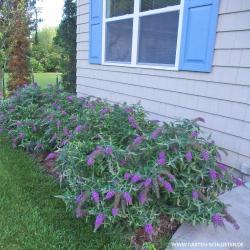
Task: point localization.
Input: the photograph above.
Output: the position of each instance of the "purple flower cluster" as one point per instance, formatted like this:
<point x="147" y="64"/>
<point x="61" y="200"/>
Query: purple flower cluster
<point x="108" y="151"/>
<point x="109" y="195"/>
<point x="138" y="140"/>
<point x="135" y="178"/>
<point x="132" y="122"/>
<point x="104" y="111"/>
<point x="80" y="197"/>
<point x="195" y="195"/>
<point x="79" y="128"/>
<point x="222" y="166"/>
<point x="148" y="229"/>
<point x="99" y="221"/>
<point x="95" y="196"/>
<point x="93" y="155"/>
<point x="66" y="132"/>
<point x="161" y="158"/>
<point x="147" y="182"/>
<point x="167" y="186"/>
<point x="194" y="134"/>
<point x="217" y="220"/>
<point x="142" y="197"/>
<point x="51" y="156"/>
<point x="127" y="197"/>
<point x="115" y="211"/>
<point x="155" y="134"/>
<point x="127" y="176"/>
<point x="238" y="181"/>
<point x="70" y="98"/>
<point x="189" y="156"/>
<point x="205" y="155"/>
<point x="213" y="174"/>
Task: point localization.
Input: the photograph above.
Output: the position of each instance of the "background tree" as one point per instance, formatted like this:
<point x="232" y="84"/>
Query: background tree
<point x="66" y="39"/>
<point x="16" y="20"/>
<point x="45" y="53"/>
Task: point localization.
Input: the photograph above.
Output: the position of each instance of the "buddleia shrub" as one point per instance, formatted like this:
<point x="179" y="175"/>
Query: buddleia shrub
<point x="118" y="167"/>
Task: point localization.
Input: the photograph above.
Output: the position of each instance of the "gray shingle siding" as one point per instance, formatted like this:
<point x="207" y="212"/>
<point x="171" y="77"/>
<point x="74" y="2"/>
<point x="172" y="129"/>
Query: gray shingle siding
<point x="222" y="97"/>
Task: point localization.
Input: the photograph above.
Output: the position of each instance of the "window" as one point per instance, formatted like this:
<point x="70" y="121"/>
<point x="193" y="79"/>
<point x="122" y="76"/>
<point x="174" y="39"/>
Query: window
<point x="141" y="33"/>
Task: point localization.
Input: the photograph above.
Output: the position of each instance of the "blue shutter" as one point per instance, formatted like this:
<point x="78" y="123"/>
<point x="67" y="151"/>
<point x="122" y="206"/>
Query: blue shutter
<point x="198" y="35"/>
<point x="95" y="31"/>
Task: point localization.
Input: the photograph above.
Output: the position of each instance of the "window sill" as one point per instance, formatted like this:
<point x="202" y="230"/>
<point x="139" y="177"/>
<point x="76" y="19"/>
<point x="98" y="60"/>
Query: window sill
<point x="142" y="66"/>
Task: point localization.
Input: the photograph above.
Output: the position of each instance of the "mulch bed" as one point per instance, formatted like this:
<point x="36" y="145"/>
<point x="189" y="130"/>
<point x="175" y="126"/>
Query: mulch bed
<point x="166" y="228"/>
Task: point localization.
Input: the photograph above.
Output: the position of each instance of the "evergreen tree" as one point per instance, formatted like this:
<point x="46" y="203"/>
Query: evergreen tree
<point x="66" y="39"/>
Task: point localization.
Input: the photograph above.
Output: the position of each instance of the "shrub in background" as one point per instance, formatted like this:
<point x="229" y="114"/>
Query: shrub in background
<point x="118" y="166"/>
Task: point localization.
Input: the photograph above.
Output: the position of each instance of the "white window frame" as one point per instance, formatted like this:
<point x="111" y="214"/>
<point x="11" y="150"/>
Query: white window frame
<point x="135" y="35"/>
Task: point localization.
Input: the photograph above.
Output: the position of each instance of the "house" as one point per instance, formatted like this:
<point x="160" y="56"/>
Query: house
<point x="179" y="58"/>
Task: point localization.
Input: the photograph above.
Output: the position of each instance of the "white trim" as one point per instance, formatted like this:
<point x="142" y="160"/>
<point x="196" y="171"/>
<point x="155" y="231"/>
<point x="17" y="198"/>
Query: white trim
<point x="158" y="11"/>
<point x="135" y="33"/>
<point x="135" y="36"/>
<point x="117" y="18"/>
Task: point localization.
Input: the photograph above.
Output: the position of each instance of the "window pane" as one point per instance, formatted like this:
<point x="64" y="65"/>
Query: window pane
<point x="158" y="38"/>
<point x="119" y="7"/>
<point x="119" y="40"/>
<point x="157" y="4"/>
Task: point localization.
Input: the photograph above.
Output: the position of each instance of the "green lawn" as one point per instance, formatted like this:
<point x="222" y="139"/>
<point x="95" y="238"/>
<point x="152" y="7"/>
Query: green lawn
<point x="31" y="218"/>
<point x="43" y="79"/>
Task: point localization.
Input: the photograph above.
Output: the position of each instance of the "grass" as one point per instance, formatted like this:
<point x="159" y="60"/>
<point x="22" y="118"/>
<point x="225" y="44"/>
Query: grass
<point x="43" y="79"/>
<point x="32" y="218"/>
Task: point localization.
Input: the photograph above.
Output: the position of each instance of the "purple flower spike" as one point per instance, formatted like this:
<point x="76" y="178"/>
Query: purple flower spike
<point x="99" y="221"/>
<point x="80" y="197"/>
<point x="21" y="136"/>
<point x="238" y="181"/>
<point x="213" y="174"/>
<point x="66" y="132"/>
<point x="64" y="112"/>
<point x="217" y="220"/>
<point x="142" y="198"/>
<point x="51" y="156"/>
<point x="79" y="128"/>
<point x="108" y="151"/>
<point x="110" y="195"/>
<point x="138" y="140"/>
<point x="1" y="130"/>
<point x="155" y="134"/>
<point x="70" y="98"/>
<point x="104" y="111"/>
<point x="58" y="124"/>
<point x="189" y="156"/>
<point x="79" y="213"/>
<point x="90" y="161"/>
<point x="195" y="195"/>
<point x="132" y="122"/>
<point x="127" y="176"/>
<point x="222" y="166"/>
<point x="127" y="198"/>
<point x="18" y="123"/>
<point x="115" y="211"/>
<point x="161" y="158"/>
<point x="135" y="178"/>
<point x="95" y="196"/>
<point x="147" y="182"/>
<point x="148" y="229"/>
<point x="205" y="155"/>
<point x="171" y="177"/>
<point x="167" y="186"/>
<point x="194" y="134"/>
<point x="123" y="162"/>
